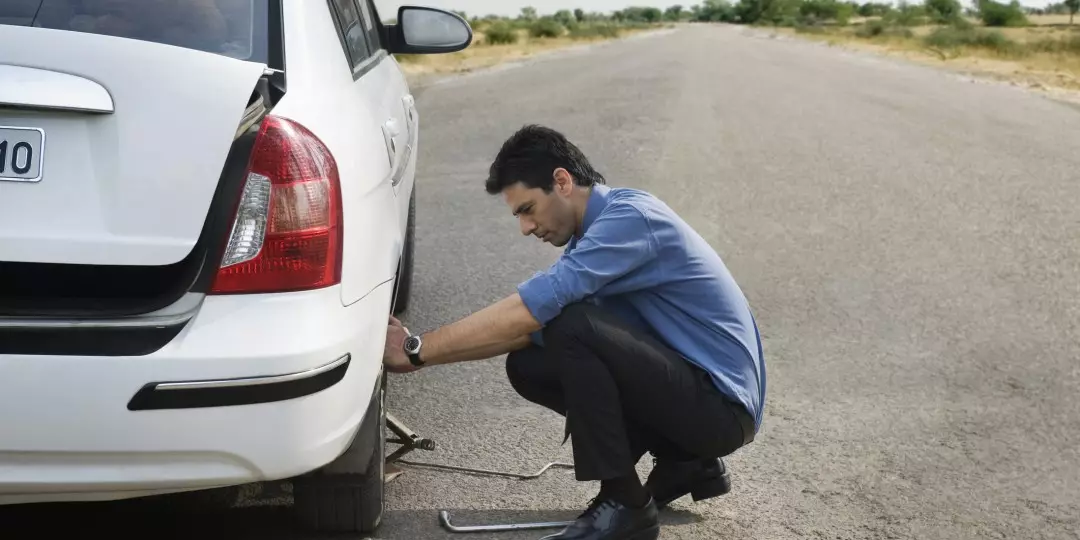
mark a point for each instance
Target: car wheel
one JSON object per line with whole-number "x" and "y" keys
{"x": 211, "y": 501}
{"x": 405, "y": 269}
{"x": 346, "y": 503}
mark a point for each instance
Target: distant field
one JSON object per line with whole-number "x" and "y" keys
{"x": 485, "y": 51}
{"x": 1049, "y": 20}
{"x": 1045, "y": 54}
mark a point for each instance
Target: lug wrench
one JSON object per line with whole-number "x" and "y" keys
{"x": 444, "y": 520}
{"x": 444, "y": 515}
{"x": 489, "y": 472}
{"x": 410, "y": 441}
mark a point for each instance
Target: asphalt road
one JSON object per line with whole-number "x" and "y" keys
{"x": 907, "y": 239}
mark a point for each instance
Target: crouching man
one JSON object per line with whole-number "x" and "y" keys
{"x": 638, "y": 335}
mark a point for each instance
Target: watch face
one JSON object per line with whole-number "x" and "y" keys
{"x": 412, "y": 345}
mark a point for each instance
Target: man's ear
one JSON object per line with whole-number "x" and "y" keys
{"x": 564, "y": 183}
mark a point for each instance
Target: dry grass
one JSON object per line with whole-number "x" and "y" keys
{"x": 1051, "y": 20}
{"x": 481, "y": 55}
{"x": 1035, "y": 56}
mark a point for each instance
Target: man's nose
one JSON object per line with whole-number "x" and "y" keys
{"x": 527, "y": 226}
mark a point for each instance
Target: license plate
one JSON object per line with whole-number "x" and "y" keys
{"x": 21, "y": 152}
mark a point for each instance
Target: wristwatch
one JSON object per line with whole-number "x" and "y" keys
{"x": 412, "y": 348}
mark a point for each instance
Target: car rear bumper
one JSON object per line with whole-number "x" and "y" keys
{"x": 253, "y": 388}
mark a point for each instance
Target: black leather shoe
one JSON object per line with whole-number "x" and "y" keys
{"x": 702, "y": 479}
{"x": 609, "y": 520}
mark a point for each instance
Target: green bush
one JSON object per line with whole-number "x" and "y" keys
{"x": 715, "y": 11}
{"x": 944, "y": 11}
{"x": 812, "y": 12}
{"x": 998, "y": 14}
{"x": 501, "y": 34}
{"x": 871, "y": 9}
{"x": 874, "y": 29}
{"x": 546, "y": 28}
{"x": 991, "y": 40}
{"x": 961, "y": 23}
{"x": 592, "y": 31}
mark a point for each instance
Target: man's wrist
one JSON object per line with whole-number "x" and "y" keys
{"x": 413, "y": 346}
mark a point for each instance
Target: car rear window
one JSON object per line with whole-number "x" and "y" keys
{"x": 235, "y": 28}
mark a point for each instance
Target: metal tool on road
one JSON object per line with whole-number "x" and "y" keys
{"x": 490, "y": 472}
{"x": 444, "y": 520}
{"x": 410, "y": 441}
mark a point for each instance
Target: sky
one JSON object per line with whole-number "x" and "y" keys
{"x": 512, "y": 7}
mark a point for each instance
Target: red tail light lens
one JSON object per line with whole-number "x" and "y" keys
{"x": 287, "y": 233}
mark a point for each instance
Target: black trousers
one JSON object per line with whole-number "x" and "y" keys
{"x": 623, "y": 394}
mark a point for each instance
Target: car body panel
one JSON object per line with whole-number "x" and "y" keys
{"x": 73, "y": 437}
{"x": 320, "y": 74}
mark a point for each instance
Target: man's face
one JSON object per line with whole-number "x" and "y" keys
{"x": 547, "y": 216}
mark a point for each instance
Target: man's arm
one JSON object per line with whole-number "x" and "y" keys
{"x": 483, "y": 352}
{"x": 618, "y": 242}
{"x": 500, "y": 328}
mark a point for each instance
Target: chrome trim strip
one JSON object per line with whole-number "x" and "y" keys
{"x": 36, "y": 88}
{"x": 253, "y": 381}
{"x": 178, "y": 313}
{"x": 368, "y": 64}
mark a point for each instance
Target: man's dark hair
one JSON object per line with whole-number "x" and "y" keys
{"x": 531, "y": 155}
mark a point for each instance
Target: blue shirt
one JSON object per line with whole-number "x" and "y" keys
{"x": 641, "y": 260}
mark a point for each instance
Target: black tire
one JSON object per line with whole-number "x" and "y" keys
{"x": 346, "y": 503}
{"x": 405, "y": 269}
{"x": 205, "y": 501}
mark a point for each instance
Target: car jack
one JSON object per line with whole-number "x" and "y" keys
{"x": 410, "y": 441}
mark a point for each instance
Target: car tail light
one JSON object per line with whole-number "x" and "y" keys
{"x": 287, "y": 232}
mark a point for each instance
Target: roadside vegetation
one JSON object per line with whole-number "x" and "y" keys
{"x": 498, "y": 39}
{"x": 1040, "y": 47}
{"x": 1035, "y": 47}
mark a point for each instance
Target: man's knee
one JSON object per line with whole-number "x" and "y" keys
{"x": 534, "y": 376}
{"x": 571, "y": 322}
{"x": 529, "y": 369}
{"x": 518, "y": 370}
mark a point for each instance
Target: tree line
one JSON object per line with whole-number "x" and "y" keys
{"x": 796, "y": 12}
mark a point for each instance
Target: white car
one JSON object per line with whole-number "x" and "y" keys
{"x": 206, "y": 216}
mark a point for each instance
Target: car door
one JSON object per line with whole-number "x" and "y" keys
{"x": 401, "y": 125}
{"x": 378, "y": 81}
{"x": 371, "y": 143}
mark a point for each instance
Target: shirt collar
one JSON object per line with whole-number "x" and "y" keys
{"x": 598, "y": 199}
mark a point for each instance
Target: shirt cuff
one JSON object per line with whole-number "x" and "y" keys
{"x": 539, "y": 296}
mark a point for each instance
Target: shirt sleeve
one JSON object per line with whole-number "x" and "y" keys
{"x": 618, "y": 242}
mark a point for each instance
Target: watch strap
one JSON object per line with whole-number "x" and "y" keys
{"x": 414, "y": 359}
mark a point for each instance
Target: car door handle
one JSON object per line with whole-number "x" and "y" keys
{"x": 395, "y": 149}
{"x": 410, "y": 113}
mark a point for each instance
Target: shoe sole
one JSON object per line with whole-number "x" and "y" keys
{"x": 706, "y": 489}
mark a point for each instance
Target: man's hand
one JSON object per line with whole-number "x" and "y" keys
{"x": 394, "y": 358}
